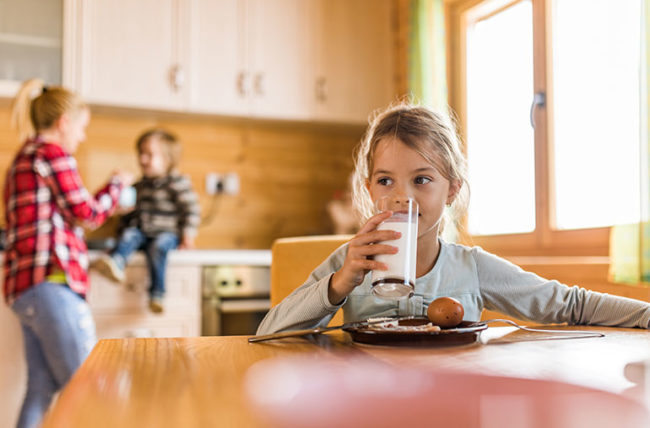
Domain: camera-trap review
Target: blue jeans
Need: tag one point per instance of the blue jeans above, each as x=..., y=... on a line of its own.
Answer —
x=58, y=334
x=156, y=250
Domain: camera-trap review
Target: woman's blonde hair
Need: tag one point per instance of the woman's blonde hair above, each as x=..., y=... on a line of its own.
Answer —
x=37, y=107
x=430, y=134
x=170, y=145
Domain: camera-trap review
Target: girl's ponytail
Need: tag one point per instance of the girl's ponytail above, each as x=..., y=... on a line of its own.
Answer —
x=37, y=107
x=21, y=108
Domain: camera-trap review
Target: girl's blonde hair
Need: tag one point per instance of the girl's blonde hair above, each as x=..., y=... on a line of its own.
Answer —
x=37, y=107
x=170, y=145
x=430, y=134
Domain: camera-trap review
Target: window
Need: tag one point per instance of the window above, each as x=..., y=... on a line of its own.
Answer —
x=548, y=96
x=501, y=153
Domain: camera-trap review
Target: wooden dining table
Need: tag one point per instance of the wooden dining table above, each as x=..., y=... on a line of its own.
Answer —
x=205, y=381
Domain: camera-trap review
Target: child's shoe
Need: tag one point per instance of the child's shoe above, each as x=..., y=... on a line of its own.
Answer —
x=156, y=305
x=107, y=267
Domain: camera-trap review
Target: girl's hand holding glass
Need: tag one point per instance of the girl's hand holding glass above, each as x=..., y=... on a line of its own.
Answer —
x=359, y=260
x=127, y=178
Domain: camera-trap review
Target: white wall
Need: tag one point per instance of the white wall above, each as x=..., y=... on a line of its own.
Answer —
x=13, y=370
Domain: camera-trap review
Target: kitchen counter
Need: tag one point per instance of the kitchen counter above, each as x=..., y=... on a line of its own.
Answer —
x=206, y=257
x=201, y=257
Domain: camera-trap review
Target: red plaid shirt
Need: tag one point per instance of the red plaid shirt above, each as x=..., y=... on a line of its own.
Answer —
x=45, y=206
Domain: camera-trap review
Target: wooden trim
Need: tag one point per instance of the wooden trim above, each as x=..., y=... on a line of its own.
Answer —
x=542, y=195
x=546, y=239
x=498, y=10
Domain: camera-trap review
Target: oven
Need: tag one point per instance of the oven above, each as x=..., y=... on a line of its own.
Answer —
x=235, y=299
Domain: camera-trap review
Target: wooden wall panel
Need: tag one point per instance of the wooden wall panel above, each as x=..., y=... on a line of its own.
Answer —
x=287, y=171
x=401, y=17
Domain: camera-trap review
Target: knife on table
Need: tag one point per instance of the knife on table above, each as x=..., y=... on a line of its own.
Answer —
x=319, y=330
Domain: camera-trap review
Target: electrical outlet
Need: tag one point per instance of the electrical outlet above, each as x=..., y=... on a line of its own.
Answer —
x=212, y=183
x=230, y=183
x=227, y=184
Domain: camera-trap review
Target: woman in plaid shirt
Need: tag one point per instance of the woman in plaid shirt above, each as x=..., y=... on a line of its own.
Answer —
x=46, y=258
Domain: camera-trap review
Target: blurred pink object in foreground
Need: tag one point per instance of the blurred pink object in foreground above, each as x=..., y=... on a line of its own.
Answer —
x=363, y=392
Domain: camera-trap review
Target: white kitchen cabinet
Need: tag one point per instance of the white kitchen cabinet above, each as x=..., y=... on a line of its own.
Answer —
x=280, y=58
x=354, y=59
x=324, y=60
x=131, y=53
x=219, y=68
x=31, y=37
x=250, y=57
x=122, y=310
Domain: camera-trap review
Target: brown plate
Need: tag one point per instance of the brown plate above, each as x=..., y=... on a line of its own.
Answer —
x=466, y=332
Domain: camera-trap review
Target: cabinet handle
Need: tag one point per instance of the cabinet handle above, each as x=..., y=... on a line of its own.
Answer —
x=242, y=87
x=321, y=95
x=177, y=77
x=258, y=84
x=539, y=100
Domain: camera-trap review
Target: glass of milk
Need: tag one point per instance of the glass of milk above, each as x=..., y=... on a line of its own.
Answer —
x=398, y=282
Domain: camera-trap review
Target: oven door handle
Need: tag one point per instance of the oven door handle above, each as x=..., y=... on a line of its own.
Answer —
x=244, y=305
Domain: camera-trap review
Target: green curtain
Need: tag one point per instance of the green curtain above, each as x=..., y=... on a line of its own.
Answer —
x=427, y=66
x=630, y=244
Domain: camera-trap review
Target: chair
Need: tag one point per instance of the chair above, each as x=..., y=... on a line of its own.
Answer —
x=293, y=259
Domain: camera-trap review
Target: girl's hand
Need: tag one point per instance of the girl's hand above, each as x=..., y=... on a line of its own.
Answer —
x=358, y=261
x=126, y=178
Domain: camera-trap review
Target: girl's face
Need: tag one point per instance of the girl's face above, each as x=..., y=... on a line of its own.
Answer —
x=72, y=128
x=153, y=160
x=400, y=170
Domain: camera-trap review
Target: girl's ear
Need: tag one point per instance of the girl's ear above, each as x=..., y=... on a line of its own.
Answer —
x=61, y=124
x=367, y=184
x=454, y=188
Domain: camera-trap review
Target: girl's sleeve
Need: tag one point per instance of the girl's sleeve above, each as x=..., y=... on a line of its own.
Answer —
x=507, y=288
x=77, y=205
x=308, y=306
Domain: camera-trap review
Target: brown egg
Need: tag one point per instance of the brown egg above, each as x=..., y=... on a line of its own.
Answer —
x=445, y=312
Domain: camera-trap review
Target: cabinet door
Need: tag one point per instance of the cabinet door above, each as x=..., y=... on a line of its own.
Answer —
x=30, y=42
x=280, y=58
x=220, y=81
x=354, y=71
x=372, y=57
x=334, y=80
x=130, y=53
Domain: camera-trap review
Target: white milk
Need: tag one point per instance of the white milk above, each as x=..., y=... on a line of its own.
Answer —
x=399, y=280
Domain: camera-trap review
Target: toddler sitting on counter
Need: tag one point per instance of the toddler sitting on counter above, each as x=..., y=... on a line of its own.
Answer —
x=165, y=216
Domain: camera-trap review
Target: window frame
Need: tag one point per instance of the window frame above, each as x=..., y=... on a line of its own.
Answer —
x=545, y=239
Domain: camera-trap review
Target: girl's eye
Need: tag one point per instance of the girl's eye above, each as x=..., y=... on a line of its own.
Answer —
x=385, y=181
x=422, y=180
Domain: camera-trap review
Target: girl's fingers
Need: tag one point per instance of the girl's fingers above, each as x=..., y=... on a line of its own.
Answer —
x=373, y=237
x=374, y=221
x=368, y=264
x=373, y=250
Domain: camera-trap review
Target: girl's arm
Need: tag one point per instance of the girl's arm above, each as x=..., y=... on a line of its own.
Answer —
x=326, y=290
x=59, y=171
x=308, y=306
x=507, y=288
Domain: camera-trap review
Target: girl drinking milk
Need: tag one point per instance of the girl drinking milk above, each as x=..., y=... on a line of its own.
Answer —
x=412, y=151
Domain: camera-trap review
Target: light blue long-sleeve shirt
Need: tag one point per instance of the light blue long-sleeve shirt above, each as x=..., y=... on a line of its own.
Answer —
x=475, y=277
